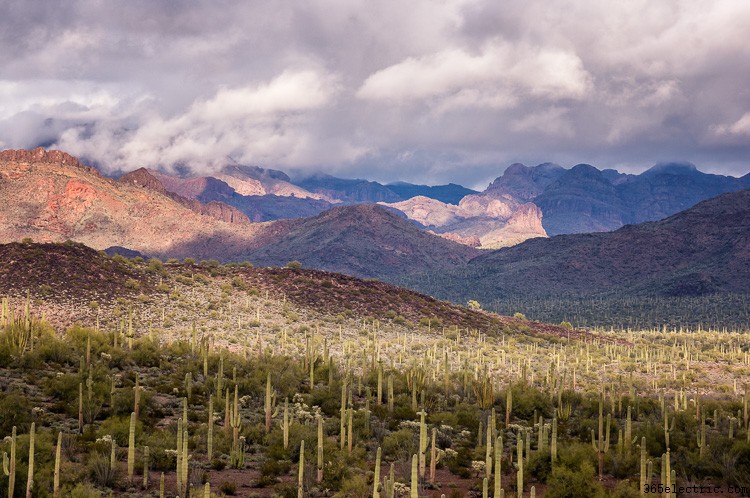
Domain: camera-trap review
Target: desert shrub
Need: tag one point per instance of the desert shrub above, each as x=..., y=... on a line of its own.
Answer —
x=625, y=489
x=132, y=284
x=540, y=466
x=565, y=482
x=84, y=490
x=354, y=487
x=119, y=429
x=100, y=471
x=400, y=445
x=15, y=410
x=228, y=488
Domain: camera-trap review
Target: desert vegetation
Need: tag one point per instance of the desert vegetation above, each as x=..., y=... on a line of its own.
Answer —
x=185, y=378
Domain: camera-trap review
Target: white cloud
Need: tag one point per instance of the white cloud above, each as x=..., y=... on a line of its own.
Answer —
x=349, y=86
x=494, y=75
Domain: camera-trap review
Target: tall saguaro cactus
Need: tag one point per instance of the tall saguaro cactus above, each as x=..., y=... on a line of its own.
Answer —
x=30, y=476
x=301, y=470
x=376, y=478
x=9, y=467
x=601, y=446
x=269, y=403
x=131, y=448
x=56, y=482
x=414, y=488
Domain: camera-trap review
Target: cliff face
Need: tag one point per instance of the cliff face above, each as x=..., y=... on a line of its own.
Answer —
x=214, y=209
x=488, y=220
x=50, y=196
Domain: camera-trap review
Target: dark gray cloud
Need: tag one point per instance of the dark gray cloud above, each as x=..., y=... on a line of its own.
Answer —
x=440, y=91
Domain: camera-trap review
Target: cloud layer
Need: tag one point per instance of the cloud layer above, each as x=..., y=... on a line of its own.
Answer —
x=449, y=90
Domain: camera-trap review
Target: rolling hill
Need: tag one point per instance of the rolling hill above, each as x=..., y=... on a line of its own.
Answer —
x=703, y=250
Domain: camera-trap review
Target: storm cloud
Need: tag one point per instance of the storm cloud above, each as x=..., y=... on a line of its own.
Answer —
x=429, y=91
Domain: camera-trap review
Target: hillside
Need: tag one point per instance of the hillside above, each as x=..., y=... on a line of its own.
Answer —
x=702, y=250
x=362, y=240
x=49, y=196
x=66, y=278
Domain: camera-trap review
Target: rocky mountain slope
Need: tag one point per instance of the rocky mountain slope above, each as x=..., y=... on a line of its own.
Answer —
x=703, y=250
x=449, y=194
x=585, y=199
x=363, y=240
x=50, y=197
x=481, y=220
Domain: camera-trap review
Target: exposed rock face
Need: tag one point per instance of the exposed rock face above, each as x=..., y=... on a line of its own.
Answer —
x=50, y=197
x=494, y=220
x=214, y=209
x=43, y=156
x=449, y=194
x=253, y=180
x=584, y=199
x=524, y=183
x=270, y=198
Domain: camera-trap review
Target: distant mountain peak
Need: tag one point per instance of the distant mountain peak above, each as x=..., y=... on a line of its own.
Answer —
x=675, y=168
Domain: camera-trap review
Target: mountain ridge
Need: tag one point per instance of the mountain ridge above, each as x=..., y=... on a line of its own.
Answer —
x=702, y=250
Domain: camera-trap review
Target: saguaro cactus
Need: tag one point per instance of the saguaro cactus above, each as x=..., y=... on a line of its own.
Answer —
x=414, y=488
x=56, y=482
x=422, y=443
x=30, y=476
x=269, y=402
x=602, y=445
x=319, y=476
x=498, y=465
x=9, y=467
x=519, y=474
x=301, y=470
x=376, y=478
x=210, y=430
x=131, y=448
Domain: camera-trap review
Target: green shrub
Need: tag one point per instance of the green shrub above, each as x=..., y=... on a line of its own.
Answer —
x=565, y=482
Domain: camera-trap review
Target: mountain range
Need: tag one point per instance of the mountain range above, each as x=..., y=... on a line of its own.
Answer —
x=699, y=251
x=523, y=203
x=49, y=196
x=425, y=243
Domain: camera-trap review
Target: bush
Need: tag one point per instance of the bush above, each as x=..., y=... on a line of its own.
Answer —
x=565, y=482
x=294, y=265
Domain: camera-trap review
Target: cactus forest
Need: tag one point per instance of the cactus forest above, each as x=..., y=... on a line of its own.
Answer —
x=195, y=379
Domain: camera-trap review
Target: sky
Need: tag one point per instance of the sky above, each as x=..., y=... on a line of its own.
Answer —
x=428, y=91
